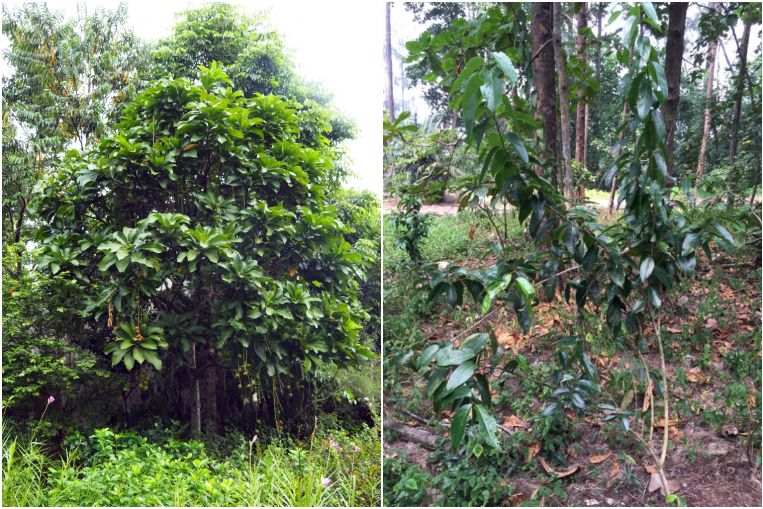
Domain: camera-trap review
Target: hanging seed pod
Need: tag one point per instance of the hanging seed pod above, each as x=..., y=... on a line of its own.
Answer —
x=110, y=321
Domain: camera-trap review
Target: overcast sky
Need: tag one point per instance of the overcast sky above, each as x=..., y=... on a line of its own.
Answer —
x=404, y=28
x=333, y=43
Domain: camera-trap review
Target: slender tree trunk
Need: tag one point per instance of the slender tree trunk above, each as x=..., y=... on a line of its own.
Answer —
x=674, y=51
x=599, y=16
x=564, y=105
x=388, y=61
x=210, y=401
x=541, y=28
x=613, y=187
x=743, y=45
x=581, y=111
x=543, y=79
x=196, y=410
x=712, y=49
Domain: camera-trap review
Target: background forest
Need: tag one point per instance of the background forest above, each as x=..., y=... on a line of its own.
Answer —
x=572, y=254
x=190, y=294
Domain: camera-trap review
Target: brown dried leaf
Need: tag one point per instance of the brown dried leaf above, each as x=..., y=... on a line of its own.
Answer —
x=516, y=499
x=559, y=475
x=674, y=330
x=695, y=375
x=650, y=469
x=613, y=472
x=599, y=458
x=647, y=394
x=711, y=323
x=513, y=421
x=532, y=450
x=655, y=483
x=660, y=422
x=472, y=232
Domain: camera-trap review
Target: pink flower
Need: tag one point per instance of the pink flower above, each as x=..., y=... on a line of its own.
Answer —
x=335, y=445
x=51, y=400
x=357, y=449
x=325, y=481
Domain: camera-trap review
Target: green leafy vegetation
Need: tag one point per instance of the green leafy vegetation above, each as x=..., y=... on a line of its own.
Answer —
x=183, y=270
x=550, y=342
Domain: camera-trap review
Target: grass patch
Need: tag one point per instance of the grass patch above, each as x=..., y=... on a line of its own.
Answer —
x=125, y=469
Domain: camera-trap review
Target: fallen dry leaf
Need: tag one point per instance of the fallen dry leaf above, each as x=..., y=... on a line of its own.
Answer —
x=647, y=394
x=613, y=471
x=695, y=375
x=674, y=330
x=472, y=232
x=513, y=421
x=660, y=422
x=599, y=458
x=711, y=323
x=675, y=433
x=516, y=499
x=655, y=483
x=650, y=469
x=532, y=450
x=550, y=470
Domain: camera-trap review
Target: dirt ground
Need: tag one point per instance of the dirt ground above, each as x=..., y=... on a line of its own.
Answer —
x=705, y=468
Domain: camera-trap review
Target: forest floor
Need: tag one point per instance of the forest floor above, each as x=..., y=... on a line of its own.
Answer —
x=712, y=333
x=449, y=205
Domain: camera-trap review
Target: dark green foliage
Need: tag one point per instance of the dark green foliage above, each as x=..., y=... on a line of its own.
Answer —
x=411, y=226
x=205, y=222
x=625, y=270
x=254, y=56
x=50, y=350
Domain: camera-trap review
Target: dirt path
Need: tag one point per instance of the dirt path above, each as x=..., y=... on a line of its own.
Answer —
x=450, y=207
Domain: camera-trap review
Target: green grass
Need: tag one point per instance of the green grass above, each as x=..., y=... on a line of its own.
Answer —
x=125, y=469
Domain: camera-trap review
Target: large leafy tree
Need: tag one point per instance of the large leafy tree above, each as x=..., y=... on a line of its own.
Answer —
x=254, y=57
x=67, y=79
x=203, y=226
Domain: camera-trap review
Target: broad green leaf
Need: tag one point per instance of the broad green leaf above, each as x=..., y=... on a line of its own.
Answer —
x=519, y=146
x=153, y=359
x=493, y=290
x=122, y=264
x=504, y=62
x=458, y=425
x=527, y=288
x=460, y=375
x=647, y=266
x=451, y=357
x=492, y=90
x=487, y=425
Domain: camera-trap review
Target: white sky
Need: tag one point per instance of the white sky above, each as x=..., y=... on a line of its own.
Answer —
x=333, y=43
x=404, y=28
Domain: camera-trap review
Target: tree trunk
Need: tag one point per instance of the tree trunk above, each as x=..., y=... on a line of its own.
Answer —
x=743, y=45
x=581, y=110
x=674, y=51
x=196, y=410
x=388, y=62
x=543, y=79
x=210, y=401
x=564, y=105
x=712, y=49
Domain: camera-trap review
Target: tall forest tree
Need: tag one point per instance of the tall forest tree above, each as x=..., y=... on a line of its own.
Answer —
x=674, y=51
x=203, y=229
x=712, y=50
x=68, y=79
x=388, y=61
x=544, y=80
x=563, y=98
x=581, y=108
